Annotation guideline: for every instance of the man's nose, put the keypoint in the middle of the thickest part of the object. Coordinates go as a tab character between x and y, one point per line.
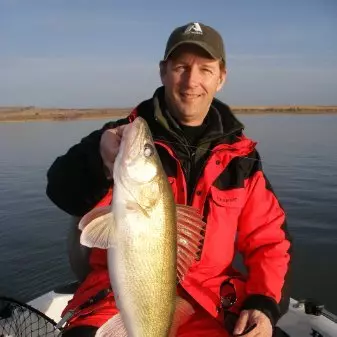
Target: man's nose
192	77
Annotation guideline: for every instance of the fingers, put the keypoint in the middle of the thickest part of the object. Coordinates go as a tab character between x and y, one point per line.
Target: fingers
250	331
241	323
109	146
253	323
117	133
119	130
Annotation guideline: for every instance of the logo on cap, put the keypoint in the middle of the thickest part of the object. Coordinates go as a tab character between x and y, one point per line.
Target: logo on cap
194	28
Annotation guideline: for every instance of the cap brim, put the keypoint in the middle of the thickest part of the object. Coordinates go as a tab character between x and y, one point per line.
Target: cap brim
201	44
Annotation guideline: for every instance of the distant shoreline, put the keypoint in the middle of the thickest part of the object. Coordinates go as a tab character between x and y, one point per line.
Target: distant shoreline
25	114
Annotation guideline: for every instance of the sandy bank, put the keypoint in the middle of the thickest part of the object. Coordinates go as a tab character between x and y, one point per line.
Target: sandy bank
20	114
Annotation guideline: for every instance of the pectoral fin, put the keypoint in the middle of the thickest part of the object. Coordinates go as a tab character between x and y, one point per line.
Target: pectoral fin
114	327
93	214
191	232
98	228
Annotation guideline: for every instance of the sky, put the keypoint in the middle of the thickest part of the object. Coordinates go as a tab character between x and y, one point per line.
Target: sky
71	53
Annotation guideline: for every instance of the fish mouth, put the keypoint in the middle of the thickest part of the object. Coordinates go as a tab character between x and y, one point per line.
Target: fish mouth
142	129
136	143
137	131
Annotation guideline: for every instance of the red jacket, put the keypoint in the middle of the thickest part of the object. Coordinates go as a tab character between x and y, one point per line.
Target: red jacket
242	215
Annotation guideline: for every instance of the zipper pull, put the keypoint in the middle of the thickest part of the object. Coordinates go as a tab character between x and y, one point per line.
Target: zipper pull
68	315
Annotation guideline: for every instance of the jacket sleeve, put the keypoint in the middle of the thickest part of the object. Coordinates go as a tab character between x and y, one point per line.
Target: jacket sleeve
76	181
264	243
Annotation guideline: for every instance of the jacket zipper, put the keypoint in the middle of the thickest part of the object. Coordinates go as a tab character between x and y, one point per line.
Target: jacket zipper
191	163
206	161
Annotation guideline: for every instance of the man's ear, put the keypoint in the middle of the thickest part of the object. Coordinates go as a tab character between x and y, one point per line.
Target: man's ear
162	69
222	79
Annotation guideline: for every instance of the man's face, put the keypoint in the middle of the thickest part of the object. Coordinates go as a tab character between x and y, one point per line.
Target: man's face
191	79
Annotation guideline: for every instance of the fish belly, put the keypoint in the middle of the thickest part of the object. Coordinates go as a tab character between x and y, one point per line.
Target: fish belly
142	268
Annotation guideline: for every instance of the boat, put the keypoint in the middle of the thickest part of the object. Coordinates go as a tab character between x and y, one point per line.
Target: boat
304	318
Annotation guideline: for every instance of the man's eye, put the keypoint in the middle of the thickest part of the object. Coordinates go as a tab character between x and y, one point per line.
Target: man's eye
207	70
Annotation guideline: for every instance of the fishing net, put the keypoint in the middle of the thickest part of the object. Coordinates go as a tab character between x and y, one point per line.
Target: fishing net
21	320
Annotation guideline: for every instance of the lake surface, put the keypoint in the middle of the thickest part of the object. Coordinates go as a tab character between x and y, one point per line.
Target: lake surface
299	156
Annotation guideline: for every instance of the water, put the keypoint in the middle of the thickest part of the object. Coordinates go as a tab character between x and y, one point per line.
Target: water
299	157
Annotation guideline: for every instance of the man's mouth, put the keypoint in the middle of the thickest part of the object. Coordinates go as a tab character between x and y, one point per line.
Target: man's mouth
186	95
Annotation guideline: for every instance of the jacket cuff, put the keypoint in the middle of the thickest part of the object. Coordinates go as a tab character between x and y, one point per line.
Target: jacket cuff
265	304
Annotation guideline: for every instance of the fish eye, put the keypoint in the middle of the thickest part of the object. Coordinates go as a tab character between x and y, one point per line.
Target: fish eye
148	150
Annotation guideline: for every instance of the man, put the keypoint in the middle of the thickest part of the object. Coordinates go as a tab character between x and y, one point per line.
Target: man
212	166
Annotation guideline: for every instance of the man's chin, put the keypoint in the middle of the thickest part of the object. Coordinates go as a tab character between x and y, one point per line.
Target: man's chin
187	109
183	111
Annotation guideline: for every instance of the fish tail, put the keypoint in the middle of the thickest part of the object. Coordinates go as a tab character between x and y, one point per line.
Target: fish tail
114	327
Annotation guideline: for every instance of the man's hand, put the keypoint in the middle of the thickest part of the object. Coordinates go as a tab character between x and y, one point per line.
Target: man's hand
249	318
109	147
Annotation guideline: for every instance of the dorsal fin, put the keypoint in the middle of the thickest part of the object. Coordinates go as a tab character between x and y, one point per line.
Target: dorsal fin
191	232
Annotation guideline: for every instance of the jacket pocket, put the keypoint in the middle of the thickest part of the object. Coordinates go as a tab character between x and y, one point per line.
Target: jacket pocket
223	212
228	198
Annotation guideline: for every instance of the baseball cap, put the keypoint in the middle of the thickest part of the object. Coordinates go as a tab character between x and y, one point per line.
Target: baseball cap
199	34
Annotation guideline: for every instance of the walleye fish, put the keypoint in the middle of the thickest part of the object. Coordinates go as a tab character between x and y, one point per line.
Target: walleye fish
151	242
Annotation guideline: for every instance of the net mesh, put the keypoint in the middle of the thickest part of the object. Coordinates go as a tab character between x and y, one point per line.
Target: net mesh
19	319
